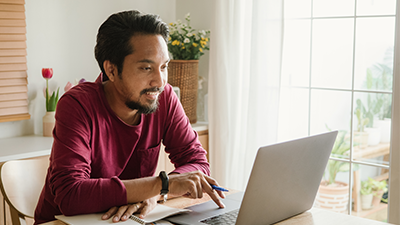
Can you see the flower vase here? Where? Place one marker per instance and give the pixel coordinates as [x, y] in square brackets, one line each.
[48, 124]
[184, 74]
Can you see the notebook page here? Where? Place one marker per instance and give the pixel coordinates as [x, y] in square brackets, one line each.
[158, 213]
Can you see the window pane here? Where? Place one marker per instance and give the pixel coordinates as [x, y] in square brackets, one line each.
[297, 8]
[370, 192]
[374, 53]
[376, 7]
[293, 113]
[327, 8]
[332, 53]
[330, 110]
[372, 112]
[333, 193]
[296, 53]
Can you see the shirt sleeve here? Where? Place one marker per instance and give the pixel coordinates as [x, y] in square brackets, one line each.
[181, 141]
[75, 192]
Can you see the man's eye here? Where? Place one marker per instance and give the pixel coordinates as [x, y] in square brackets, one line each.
[146, 68]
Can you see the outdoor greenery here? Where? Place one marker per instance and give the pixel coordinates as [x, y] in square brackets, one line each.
[379, 77]
[340, 149]
[372, 186]
[362, 116]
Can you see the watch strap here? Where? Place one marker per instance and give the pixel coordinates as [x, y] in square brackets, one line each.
[164, 183]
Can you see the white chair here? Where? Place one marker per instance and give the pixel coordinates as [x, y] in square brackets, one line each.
[21, 183]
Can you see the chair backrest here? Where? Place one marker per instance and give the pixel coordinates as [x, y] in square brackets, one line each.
[21, 184]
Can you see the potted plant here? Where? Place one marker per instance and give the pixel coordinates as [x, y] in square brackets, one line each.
[366, 194]
[51, 104]
[380, 77]
[333, 194]
[360, 136]
[186, 46]
[378, 189]
[368, 113]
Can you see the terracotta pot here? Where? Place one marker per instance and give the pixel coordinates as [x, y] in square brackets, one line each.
[334, 197]
[48, 124]
[376, 200]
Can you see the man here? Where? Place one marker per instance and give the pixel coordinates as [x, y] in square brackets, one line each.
[108, 133]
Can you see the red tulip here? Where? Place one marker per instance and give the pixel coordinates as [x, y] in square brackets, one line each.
[47, 73]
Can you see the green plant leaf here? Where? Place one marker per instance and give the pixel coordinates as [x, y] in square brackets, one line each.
[52, 103]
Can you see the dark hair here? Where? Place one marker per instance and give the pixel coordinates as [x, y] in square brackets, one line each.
[114, 35]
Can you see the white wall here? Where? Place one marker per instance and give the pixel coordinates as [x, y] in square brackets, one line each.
[201, 17]
[62, 34]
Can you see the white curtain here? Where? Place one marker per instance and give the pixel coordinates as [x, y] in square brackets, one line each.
[244, 76]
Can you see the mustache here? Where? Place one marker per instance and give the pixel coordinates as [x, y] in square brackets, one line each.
[155, 89]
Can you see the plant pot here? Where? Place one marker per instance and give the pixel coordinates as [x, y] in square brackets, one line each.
[184, 74]
[376, 200]
[334, 197]
[385, 126]
[360, 139]
[48, 124]
[366, 201]
[374, 136]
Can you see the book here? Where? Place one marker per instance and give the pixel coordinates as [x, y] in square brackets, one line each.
[159, 212]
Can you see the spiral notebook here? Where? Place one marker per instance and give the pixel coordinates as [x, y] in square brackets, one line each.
[158, 213]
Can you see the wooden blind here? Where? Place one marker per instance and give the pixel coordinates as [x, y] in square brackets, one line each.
[13, 75]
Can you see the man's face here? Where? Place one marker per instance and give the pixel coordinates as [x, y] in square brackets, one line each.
[144, 73]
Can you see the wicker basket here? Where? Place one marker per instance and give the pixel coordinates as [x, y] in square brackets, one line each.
[184, 74]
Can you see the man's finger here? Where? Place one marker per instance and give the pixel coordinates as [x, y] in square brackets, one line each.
[146, 209]
[119, 213]
[131, 210]
[109, 213]
[210, 181]
[211, 193]
[217, 200]
[199, 186]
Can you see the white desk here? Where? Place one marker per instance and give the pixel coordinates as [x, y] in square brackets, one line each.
[24, 147]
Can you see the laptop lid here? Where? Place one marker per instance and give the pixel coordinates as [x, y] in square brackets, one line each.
[283, 182]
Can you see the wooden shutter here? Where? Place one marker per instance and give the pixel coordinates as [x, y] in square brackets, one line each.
[13, 76]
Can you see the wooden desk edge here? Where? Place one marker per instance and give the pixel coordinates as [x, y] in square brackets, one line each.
[314, 216]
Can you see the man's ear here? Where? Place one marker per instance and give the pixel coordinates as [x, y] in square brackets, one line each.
[110, 69]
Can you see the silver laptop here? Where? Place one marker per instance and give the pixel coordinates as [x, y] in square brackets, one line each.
[283, 183]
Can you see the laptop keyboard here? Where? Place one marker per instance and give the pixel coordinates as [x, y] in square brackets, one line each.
[225, 219]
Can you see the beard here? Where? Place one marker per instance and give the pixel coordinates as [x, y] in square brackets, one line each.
[145, 109]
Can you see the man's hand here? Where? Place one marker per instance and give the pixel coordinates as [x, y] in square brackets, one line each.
[193, 185]
[123, 213]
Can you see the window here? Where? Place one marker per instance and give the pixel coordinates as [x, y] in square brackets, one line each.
[13, 76]
[337, 74]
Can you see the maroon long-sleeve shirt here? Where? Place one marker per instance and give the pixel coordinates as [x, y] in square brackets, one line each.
[93, 150]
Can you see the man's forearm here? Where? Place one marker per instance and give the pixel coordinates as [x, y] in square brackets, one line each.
[141, 189]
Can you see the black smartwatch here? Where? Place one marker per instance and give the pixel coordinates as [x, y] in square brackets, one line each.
[165, 185]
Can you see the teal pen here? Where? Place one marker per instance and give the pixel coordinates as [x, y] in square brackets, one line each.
[218, 188]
